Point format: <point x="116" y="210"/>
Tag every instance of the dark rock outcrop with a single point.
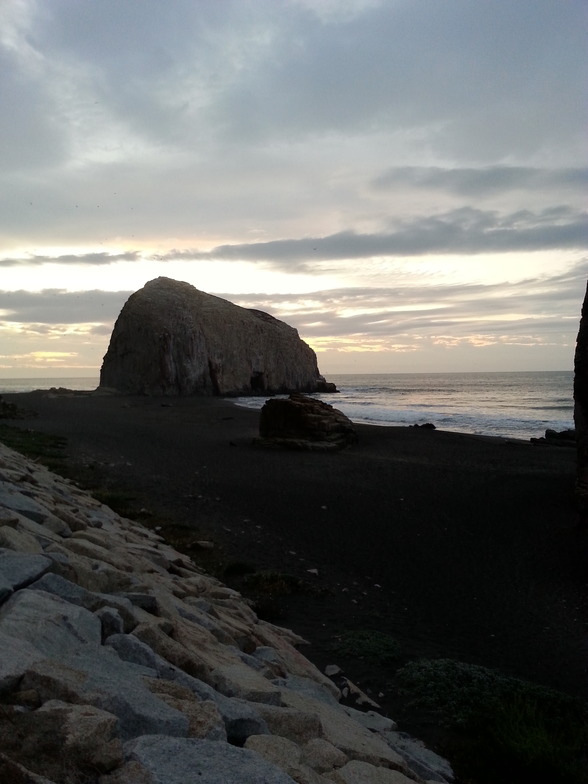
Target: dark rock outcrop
<point x="302" y="422"/>
<point x="172" y="339"/>
<point x="557" y="438"/>
<point x="581" y="410"/>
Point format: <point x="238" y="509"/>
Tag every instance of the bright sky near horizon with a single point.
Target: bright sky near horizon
<point x="404" y="181"/>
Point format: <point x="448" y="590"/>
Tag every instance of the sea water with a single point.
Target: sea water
<point x="79" y="383"/>
<point x="512" y="405"/>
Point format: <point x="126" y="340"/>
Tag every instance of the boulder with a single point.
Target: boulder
<point x="172" y="339"/>
<point x="158" y="758"/>
<point x="302" y="422"/>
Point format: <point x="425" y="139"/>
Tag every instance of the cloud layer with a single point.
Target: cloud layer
<point x="345" y="152"/>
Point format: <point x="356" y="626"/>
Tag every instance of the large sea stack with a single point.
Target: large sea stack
<point x="581" y="410"/>
<point x="172" y="339"/>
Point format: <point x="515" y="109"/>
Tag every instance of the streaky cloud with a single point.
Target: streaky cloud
<point x="97" y="258"/>
<point x="482" y="181"/>
<point x="462" y="231"/>
<point x="58" y="306"/>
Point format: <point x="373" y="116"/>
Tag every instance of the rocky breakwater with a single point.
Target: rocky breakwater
<point x="172" y="339"/>
<point x="123" y="663"/>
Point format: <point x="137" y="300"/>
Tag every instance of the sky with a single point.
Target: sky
<point x="403" y="181"/>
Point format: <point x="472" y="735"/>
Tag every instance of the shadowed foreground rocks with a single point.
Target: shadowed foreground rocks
<point x="123" y="663"/>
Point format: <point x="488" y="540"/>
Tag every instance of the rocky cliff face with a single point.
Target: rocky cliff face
<point x="172" y="339"/>
<point x="581" y="411"/>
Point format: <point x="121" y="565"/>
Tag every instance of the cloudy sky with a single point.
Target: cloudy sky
<point x="404" y="181"/>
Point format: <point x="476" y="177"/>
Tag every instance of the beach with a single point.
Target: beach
<point x="458" y="546"/>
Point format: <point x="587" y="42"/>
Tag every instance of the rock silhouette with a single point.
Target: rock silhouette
<point x="581" y="411"/>
<point x="172" y="339"/>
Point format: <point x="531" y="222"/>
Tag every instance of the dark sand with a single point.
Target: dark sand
<point x="459" y="546"/>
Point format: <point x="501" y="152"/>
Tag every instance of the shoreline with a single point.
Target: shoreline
<point x="386" y="404"/>
<point x="458" y="545"/>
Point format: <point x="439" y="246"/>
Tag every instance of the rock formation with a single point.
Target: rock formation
<point x="581" y="411"/>
<point x="123" y="663"/>
<point x="302" y="422"/>
<point x="172" y="339"/>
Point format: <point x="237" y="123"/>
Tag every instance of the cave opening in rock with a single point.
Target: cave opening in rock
<point x="257" y="381"/>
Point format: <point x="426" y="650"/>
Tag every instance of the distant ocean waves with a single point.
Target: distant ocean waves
<point x="81" y="383"/>
<point x="512" y="405"/>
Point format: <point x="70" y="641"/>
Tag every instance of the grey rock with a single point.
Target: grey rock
<point x="111" y="620"/>
<point x="423" y="761"/>
<point x="204" y="620"/>
<point x="68" y="591"/>
<point x="18" y="502"/>
<point x="266" y="654"/>
<point x="43" y="532"/>
<point x="370" y="719"/>
<point x="12" y="771"/>
<point x="284" y="754"/>
<point x="171" y="339"/>
<point x="49" y="623"/>
<point x="17" y="656"/>
<point x="322" y="756"/>
<point x="99" y="677"/>
<point x="75" y="594"/>
<point x="359" y="772"/>
<point x="146" y="601"/>
<point x="19" y="541"/>
<point x="238" y="680"/>
<point x="299" y="726"/>
<point x="307" y="687"/>
<point x="20" y="569"/>
<point x="132" y="649"/>
<point x="241" y="719"/>
<point x="5" y="588"/>
<point x="183" y="761"/>
<point x="85" y="734"/>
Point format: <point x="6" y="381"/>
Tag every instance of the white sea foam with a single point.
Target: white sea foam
<point x="512" y="405"/>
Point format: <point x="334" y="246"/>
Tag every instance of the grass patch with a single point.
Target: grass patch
<point x="118" y="500"/>
<point x="44" y="447"/>
<point x="504" y="728"/>
<point x="271" y="593"/>
<point x="237" y="569"/>
<point x="12" y="411"/>
<point x="275" y="584"/>
<point x="369" y="645"/>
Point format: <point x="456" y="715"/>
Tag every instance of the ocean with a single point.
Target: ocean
<point x="511" y="405"/>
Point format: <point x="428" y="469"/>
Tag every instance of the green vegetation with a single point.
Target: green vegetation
<point x="368" y="644"/>
<point x="44" y="447"/>
<point x="276" y="584"/>
<point x="269" y="592"/>
<point x="503" y="728"/>
<point x="12" y="411"/>
<point x="119" y="501"/>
